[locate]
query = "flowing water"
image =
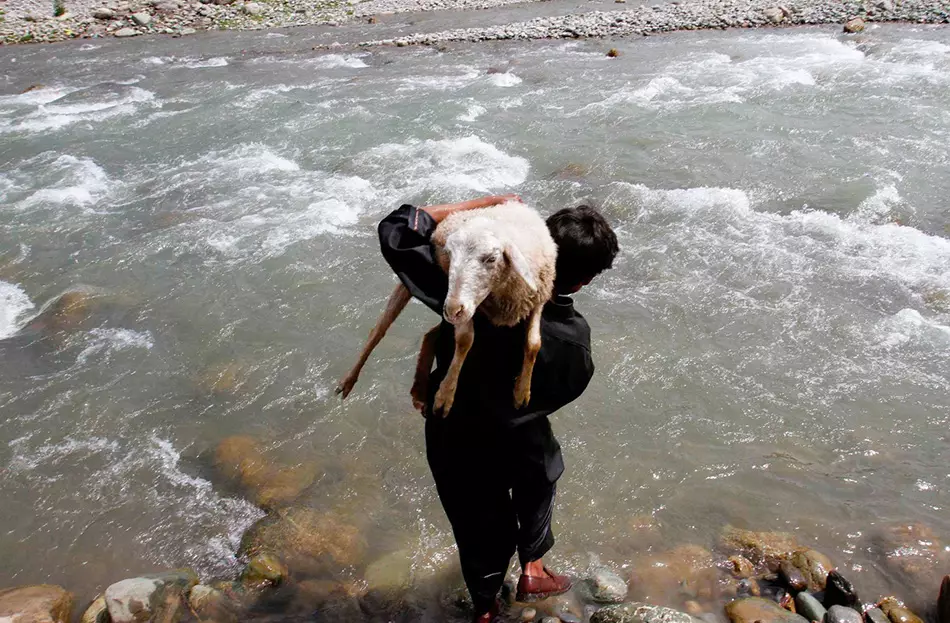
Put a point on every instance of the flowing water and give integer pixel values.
(772, 347)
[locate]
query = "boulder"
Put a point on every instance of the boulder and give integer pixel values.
(792, 576)
(607, 587)
(210, 604)
(156, 597)
(911, 551)
(759, 610)
(840, 592)
(42, 603)
(814, 567)
(809, 607)
(876, 615)
(264, 569)
(637, 612)
(774, 15)
(758, 547)
(853, 25)
(142, 19)
(842, 614)
(253, 8)
(97, 612)
(943, 602)
(897, 613)
(104, 13)
(126, 32)
(267, 484)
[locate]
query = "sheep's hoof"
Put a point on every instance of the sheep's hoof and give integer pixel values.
(442, 404)
(522, 397)
(345, 387)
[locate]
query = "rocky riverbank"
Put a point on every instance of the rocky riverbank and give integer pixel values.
(30, 21)
(303, 563)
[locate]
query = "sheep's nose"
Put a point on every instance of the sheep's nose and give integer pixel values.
(454, 312)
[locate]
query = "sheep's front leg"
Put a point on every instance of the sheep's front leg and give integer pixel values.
(532, 344)
(420, 384)
(394, 306)
(464, 336)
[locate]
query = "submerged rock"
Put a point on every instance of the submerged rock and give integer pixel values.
(759, 610)
(897, 613)
(758, 546)
(210, 604)
(640, 613)
(388, 580)
(740, 566)
(269, 485)
(97, 612)
(840, 592)
(876, 615)
(264, 569)
(815, 567)
(842, 614)
(792, 576)
(607, 587)
(688, 570)
(853, 25)
(157, 597)
(42, 603)
(912, 551)
(809, 607)
(943, 602)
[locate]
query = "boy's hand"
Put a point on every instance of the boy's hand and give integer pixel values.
(439, 212)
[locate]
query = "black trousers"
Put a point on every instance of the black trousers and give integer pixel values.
(497, 487)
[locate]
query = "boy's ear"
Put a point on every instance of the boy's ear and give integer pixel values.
(520, 264)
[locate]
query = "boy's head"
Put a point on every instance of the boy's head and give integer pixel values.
(586, 246)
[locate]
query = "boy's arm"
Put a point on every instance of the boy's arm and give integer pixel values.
(404, 241)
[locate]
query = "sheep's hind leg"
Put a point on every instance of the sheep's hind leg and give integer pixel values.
(532, 345)
(394, 306)
(420, 383)
(464, 336)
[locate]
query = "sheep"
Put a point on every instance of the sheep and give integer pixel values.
(500, 261)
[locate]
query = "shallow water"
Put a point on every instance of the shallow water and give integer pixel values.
(773, 346)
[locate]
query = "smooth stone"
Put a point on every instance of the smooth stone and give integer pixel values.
(876, 615)
(809, 607)
(758, 609)
(814, 567)
(97, 612)
(42, 603)
(774, 15)
(840, 592)
(943, 602)
(528, 614)
(550, 620)
(792, 576)
(126, 32)
(897, 613)
(253, 8)
(638, 612)
(103, 13)
(607, 587)
(264, 569)
(156, 597)
(841, 614)
(854, 25)
(142, 19)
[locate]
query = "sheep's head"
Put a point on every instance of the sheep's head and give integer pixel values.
(479, 257)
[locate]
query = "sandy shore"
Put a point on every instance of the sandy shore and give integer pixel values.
(24, 21)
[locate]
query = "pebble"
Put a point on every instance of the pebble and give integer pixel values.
(897, 613)
(876, 615)
(528, 614)
(854, 25)
(104, 13)
(792, 576)
(126, 32)
(809, 607)
(607, 587)
(841, 614)
(839, 591)
(142, 19)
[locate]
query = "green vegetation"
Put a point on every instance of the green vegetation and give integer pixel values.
(59, 7)
(26, 38)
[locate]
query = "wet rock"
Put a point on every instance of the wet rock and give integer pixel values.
(97, 612)
(693, 608)
(912, 551)
(841, 614)
(759, 610)
(210, 604)
(814, 566)
(263, 570)
(788, 602)
(943, 602)
(748, 587)
(689, 570)
(157, 597)
(876, 615)
(253, 8)
(528, 614)
(42, 603)
(897, 613)
(126, 32)
(388, 580)
(758, 547)
(792, 577)
(306, 540)
(853, 25)
(104, 13)
(840, 592)
(550, 620)
(607, 587)
(613, 53)
(740, 566)
(240, 459)
(774, 15)
(640, 613)
(222, 378)
(141, 19)
(809, 607)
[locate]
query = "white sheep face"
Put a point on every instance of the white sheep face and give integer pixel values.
(479, 259)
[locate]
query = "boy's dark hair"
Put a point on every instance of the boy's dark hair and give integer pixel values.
(586, 246)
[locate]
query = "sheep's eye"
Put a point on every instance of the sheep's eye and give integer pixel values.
(488, 259)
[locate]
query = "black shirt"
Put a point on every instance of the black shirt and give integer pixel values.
(486, 384)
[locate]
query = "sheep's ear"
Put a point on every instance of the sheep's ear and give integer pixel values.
(518, 262)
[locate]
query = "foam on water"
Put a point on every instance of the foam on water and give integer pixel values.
(909, 326)
(14, 303)
(108, 341)
(505, 79)
(68, 181)
(330, 61)
(50, 116)
(473, 112)
(186, 61)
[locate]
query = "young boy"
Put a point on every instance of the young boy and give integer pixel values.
(495, 466)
